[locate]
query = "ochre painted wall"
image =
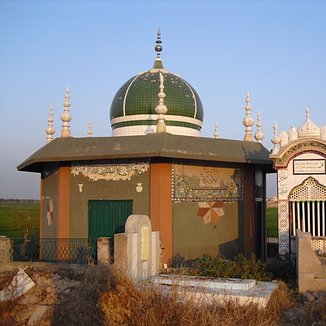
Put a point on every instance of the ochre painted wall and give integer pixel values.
(193, 238)
(63, 194)
(49, 194)
(161, 205)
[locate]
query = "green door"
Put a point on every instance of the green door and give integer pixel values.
(107, 217)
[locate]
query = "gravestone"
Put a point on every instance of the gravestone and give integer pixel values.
(137, 252)
(5, 250)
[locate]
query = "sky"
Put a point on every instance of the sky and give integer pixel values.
(273, 49)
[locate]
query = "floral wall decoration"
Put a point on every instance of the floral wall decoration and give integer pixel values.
(210, 211)
(206, 183)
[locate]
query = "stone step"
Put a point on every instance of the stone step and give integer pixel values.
(321, 275)
(323, 268)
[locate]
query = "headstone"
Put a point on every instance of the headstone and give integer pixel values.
(5, 250)
(103, 250)
(137, 252)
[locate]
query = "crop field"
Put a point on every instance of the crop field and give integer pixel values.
(19, 219)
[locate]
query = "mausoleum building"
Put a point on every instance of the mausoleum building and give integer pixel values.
(203, 195)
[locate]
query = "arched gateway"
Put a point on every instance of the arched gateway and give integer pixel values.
(299, 157)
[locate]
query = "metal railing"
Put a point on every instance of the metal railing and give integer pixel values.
(70, 250)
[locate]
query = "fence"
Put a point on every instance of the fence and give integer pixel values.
(272, 242)
(78, 251)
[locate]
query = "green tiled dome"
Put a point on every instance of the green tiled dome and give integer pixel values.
(135, 102)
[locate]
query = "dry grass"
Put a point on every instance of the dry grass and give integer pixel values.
(6, 306)
(126, 305)
(98, 296)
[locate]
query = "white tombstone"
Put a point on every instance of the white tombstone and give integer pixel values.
(137, 252)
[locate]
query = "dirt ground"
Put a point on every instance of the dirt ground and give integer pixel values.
(51, 301)
(69, 295)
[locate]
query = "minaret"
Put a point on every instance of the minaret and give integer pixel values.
(90, 129)
(276, 141)
(259, 136)
(216, 131)
(50, 130)
(248, 121)
(66, 117)
(161, 109)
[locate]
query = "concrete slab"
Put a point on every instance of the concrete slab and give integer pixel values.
(258, 294)
(37, 315)
(204, 282)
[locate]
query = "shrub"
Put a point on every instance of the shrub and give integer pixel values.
(240, 267)
(283, 267)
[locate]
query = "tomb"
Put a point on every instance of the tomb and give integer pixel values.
(299, 157)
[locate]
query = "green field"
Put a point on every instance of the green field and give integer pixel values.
(271, 222)
(19, 219)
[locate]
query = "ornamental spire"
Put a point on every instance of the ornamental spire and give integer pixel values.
(66, 117)
(259, 136)
(50, 130)
(276, 140)
(309, 128)
(216, 131)
(158, 47)
(248, 121)
(161, 109)
(90, 129)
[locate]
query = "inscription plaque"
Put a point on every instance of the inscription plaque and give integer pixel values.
(314, 166)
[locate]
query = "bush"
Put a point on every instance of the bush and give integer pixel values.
(240, 267)
(283, 267)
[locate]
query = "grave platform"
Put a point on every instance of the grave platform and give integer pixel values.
(206, 290)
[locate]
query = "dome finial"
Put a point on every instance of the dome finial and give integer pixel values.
(158, 47)
(161, 109)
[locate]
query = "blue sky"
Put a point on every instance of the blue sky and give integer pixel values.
(274, 49)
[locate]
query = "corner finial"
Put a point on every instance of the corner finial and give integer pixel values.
(50, 130)
(158, 47)
(90, 129)
(259, 136)
(66, 117)
(276, 140)
(248, 121)
(161, 109)
(216, 131)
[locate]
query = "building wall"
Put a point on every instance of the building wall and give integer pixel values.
(49, 206)
(104, 190)
(192, 237)
(209, 206)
